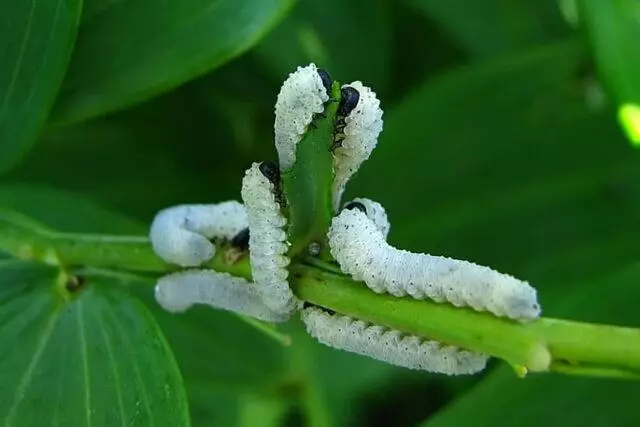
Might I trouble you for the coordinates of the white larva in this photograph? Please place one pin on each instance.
(362, 251)
(374, 211)
(267, 242)
(301, 96)
(388, 345)
(181, 234)
(177, 292)
(363, 125)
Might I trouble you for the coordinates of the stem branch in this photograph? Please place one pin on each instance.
(545, 344)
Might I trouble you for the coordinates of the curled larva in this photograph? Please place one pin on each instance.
(374, 211)
(362, 251)
(389, 345)
(302, 95)
(358, 125)
(181, 234)
(177, 292)
(267, 239)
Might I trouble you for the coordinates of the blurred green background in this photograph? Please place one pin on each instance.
(501, 146)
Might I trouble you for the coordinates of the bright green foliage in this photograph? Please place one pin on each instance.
(155, 48)
(97, 352)
(499, 146)
(36, 40)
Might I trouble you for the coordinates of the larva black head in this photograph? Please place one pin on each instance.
(241, 240)
(349, 98)
(271, 171)
(356, 205)
(327, 81)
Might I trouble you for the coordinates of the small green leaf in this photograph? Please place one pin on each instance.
(489, 27)
(36, 39)
(614, 31)
(307, 185)
(91, 357)
(166, 45)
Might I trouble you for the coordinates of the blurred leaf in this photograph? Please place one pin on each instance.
(410, 66)
(65, 211)
(352, 40)
(614, 32)
(550, 400)
(259, 411)
(490, 27)
(36, 38)
(161, 153)
(130, 51)
(220, 356)
(505, 165)
(94, 358)
(214, 347)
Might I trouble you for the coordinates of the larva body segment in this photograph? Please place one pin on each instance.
(375, 212)
(302, 95)
(387, 345)
(362, 251)
(181, 234)
(267, 242)
(177, 292)
(363, 125)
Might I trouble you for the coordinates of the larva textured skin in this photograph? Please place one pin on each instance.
(376, 213)
(267, 242)
(362, 251)
(301, 96)
(389, 345)
(181, 234)
(177, 292)
(363, 125)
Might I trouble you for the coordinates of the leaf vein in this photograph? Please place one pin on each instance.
(85, 362)
(114, 369)
(28, 373)
(18, 64)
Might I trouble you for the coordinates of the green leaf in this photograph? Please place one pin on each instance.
(614, 30)
(139, 161)
(65, 211)
(214, 347)
(36, 39)
(505, 165)
(91, 357)
(560, 401)
(166, 45)
(490, 27)
(352, 40)
(219, 355)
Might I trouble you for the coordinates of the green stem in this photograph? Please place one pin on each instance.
(546, 344)
(460, 327)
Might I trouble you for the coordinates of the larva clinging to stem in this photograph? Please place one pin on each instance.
(358, 125)
(362, 251)
(374, 211)
(267, 239)
(179, 291)
(388, 345)
(302, 95)
(181, 234)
